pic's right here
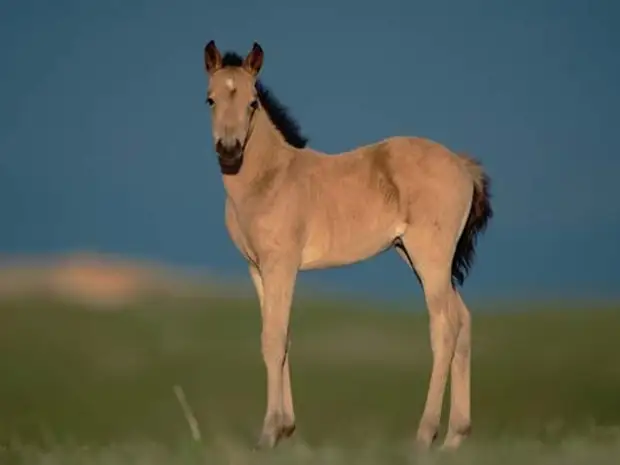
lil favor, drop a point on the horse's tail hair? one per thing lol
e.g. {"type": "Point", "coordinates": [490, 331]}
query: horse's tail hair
{"type": "Point", "coordinates": [480, 213]}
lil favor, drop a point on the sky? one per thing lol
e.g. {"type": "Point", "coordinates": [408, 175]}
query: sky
{"type": "Point", "coordinates": [105, 140]}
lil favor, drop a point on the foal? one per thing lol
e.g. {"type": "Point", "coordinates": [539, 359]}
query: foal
{"type": "Point", "coordinates": [291, 208]}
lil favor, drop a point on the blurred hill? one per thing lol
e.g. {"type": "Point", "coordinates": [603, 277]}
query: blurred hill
{"type": "Point", "coordinates": [104, 279]}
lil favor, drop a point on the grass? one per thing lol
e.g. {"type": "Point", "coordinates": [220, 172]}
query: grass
{"type": "Point", "coordinates": [97, 387]}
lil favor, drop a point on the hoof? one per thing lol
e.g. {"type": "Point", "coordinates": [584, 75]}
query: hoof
{"type": "Point", "coordinates": [455, 438]}
{"type": "Point", "coordinates": [273, 431]}
{"type": "Point", "coordinates": [265, 442]}
{"type": "Point", "coordinates": [287, 430]}
{"type": "Point", "coordinates": [425, 438]}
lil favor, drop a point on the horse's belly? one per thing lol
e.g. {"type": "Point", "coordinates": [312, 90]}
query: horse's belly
{"type": "Point", "coordinates": [345, 249]}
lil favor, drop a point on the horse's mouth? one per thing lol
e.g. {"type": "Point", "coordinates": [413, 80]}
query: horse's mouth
{"type": "Point", "coordinates": [230, 163]}
{"type": "Point", "coordinates": [229, 157]}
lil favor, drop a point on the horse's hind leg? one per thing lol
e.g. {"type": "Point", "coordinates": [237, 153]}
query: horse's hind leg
{"type": "Point", "coordinates": [460, 391]}
{"type": "Point", "coordinates": [430, 255]}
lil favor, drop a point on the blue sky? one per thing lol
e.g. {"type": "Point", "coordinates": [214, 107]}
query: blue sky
{"type": "Point", "coordinates": [105, 139]}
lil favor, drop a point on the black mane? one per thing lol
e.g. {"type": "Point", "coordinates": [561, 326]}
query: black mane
{"type": "Point", "coordinates": [278, 113]}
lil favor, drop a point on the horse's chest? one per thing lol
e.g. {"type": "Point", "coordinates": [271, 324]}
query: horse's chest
{"type": "Point", "coordinates": [259, 233]}
{"type": "Point", "coordinates": [237, 233]}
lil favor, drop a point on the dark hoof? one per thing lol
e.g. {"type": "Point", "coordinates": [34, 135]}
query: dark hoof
{"type": "Point", "coordinates": [287, 431]}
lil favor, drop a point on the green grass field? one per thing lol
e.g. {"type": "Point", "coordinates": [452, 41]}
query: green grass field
{"type": "Point", "coordinates": [80, 386]}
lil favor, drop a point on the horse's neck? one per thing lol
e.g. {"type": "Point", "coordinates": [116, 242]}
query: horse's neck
{"type": "Point", "coordinates": [265, 151]}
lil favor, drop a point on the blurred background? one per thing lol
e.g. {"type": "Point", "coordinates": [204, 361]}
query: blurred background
{"type": "Point", "coordinates": [105, 144]}
{"type": "Point", "coordinates": [111, 199]}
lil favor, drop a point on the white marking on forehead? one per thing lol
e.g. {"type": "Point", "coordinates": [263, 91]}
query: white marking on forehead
{"type": "Point", "coordinates": [230, 84]}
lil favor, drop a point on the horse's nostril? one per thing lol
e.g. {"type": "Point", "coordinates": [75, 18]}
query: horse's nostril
{"type": "Point", "coordinates": [228, 149]}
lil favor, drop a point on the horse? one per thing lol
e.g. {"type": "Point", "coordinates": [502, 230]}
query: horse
{"type": "Point", "coordinates": [290, 208]}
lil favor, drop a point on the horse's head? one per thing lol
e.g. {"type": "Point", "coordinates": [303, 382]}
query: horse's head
{"type": "Point", "coordinates": [233, 100]}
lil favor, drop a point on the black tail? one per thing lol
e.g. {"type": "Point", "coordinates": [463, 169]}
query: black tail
{"type": "Point", "coordinates": [479, 215]}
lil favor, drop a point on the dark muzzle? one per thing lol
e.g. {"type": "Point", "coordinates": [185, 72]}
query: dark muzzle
{"type": "Point", "coordinates": [229, 157]}
{"type": "Point", "coordinates": [228, 152]}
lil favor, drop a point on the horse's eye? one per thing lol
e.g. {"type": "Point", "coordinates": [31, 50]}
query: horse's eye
{"type": "Point", "coordinates": [210, 102]}
{"type": "Point", "coordinates": [254, 104]}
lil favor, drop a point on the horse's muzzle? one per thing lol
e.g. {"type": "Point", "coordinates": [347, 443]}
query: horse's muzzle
{"type": "Point", "coordinates": [228, 152]}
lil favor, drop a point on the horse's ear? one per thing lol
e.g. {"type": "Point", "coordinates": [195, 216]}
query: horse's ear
{"type": "Point", "coordinates": [254, 61]}
{"type": "Point", "coordinates": [213, 59]}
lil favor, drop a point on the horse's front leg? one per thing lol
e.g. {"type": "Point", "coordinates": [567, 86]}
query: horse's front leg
{"type": "Point", "coordinates": [277, 279]}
